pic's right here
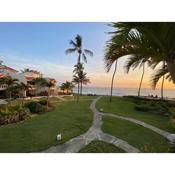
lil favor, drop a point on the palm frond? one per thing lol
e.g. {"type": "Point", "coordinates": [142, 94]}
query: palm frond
{"type": "Point", "coordinates": [70, 50]}
{"type": "Point", "coordinates": [88, 52]}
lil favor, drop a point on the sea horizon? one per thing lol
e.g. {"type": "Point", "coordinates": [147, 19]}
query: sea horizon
{"type": "Point", "coordinates": [122, 91]}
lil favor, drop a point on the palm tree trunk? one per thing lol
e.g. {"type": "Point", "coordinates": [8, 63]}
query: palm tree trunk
{"type": "Point", "coordinates": [48, 94]}
{"type": "Point", "coordinates": [112, 81]}
{"type": "Point", "coordinates": [140, 85]}
{"type": "Point", "coordinates": [78, 91]}
{"type": "Point", "coordinates": [81, 87]}
{"type": "Point", "coordinates": [163, 79]}
{"type": "Point", "coordinates": [79, 58]}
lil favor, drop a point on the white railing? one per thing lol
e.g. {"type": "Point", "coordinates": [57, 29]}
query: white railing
{"type": "Point", "coordinates": [3, 87]}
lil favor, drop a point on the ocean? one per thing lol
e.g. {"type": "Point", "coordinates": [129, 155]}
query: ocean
{"type": "Point", "coordinates": [170, 93]}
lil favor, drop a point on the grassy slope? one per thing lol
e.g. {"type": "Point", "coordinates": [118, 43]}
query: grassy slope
{"type": "Point", "coordinates": [124, 107]}
{"type": "Point", "coordinates": [100, 147]}
{"type": "Point", "coordinates": [138, 136]}
{"type": "Point", "coordinates": [38, 133]}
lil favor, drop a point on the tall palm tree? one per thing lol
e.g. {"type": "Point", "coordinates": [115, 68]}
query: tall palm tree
{"type": "Point", "coordinates": [156, 41]}
{"type": "Point", "coordinates": [77, 46]}
{"type": "Point", "coordinates": [151, 42]}
{"type": "Point", "coordinates": [43, 82]}
{"type": "Point", "coordinates": [76, 80]}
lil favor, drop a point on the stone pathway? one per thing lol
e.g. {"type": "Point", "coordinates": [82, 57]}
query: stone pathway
{"type": "Point", "coordinates": [94, 132]}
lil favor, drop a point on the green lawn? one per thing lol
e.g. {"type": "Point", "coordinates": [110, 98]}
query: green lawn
{"type": "Point", "coordinates": [136, 135]}
{"type": "Point", "coordinates": [39, 133]}
{"type": "Point", "coordinates": [97, 146]}
{"type": "Point", "coordinates": [125, 107]}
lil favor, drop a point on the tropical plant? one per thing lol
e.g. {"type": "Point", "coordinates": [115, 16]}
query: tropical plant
{"type": "Point", "coordinates": [77, 46]}
{"type": "Point", "coordinates": [68, 86]}
{"type": "Point", "coordinates": [26, 70]}
{"type": "Point", "coordinates": [163, 73]}
{"type": "Point", "coordinates": [151, 42]}
{"type": "Point", "coordinates": [11, 85]}
{"type": "Point", "coordinates": [23, 87]}
{"type": "Point", "coordinates": [43, 82]}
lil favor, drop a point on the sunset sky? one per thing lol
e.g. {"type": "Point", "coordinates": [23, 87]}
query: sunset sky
{"type": "Point", "coordinates": [42, 46]}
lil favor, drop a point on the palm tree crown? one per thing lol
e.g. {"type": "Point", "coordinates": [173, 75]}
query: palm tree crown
{"type": "Point", "coordinates": [78, 47]}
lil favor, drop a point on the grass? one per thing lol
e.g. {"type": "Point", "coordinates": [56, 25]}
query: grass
{"type": "Point", "coordinates": [125, 107]}
{"type": "Point", "coordinates": [142, 138]}
{"type": "Point", "coordinates": [39, 133]}
{"type": "Point", "coordinates": [97, 146]}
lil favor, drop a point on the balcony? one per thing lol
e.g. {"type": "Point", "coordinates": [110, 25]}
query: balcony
{"type": "Point", "coordinates": [3, 87]}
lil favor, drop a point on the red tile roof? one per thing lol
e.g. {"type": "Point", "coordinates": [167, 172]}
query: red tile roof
{"type": "Point", "coordinates": [2, 75]}
{"type": "Point", "coordinates": [29, 78]}
{"type": "Point", "coordinates": [8, 68]}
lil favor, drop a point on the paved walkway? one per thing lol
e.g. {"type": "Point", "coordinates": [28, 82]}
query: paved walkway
{"type": "Point", "coordinates": [94, 132]}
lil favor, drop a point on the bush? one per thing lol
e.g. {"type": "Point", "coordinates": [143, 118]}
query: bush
{"type": "Point", "coordinates": [43, 93]}
{"type": "Point", "coordinates": [153, 107]}
{"type": "Point", "coordinates": [13, 116]}
{"type": "Point", "coordinates": [36, 107]}
{"type": "Point", "coordinates": [44, 102]}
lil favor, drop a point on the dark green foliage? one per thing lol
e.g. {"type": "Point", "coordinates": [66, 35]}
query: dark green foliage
{"type": "Point", "coordinates": [36, 107]}
{"type": "Point", "coordinates": [13, 115]}
{"type": "Point", "coordinates": [44, 102]}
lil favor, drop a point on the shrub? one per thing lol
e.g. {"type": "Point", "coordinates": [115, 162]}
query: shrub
{"type": "Point", "coordinates": [13, 116]}
{"type": "Point", "coordinates": [36, 107]}
{"type": "Point", "coordinates": [44, 102]}
{"type": "Point", "coordinates": [43, 93]}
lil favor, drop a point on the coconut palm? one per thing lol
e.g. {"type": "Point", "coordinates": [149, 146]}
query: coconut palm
{"type": "Point", "coordinates": [43, 82]}
{"type": "Point", "coordinates": [158, 42]}
{"type": "Point", "coordinates": [77, 46]}
{"type": "Point", "coordinates": [68, 86]}
{"type": "Point", "coordinates": [76, 80]}
{"type": "Point", "coordinates": [141, 43]}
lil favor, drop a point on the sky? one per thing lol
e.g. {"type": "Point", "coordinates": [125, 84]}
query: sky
{"type": "Point", "coordinates": [42, 46]}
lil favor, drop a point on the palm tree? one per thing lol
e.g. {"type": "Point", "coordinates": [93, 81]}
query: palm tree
{"type": "Point", "coordinates": [23, 87]}
{"type": "Point", "coordinates": [76, 80]}
{"type": "Point", "coordinates": [43, 82]}
{"type": "Point", "coordinates": [26, 70]}
{"type": "Point", "coordinates": [78, 69]}
{"type": "Point", "coordinates": [68, 86]}
{"type": "Point", "coordinates": [141, 43]}
{"type": "Point", "coordinates": [158, 74]}
{"type": "Point", "coordinates": [11, 82]}
{"type": "Point", "coordinates": [154, 41]}
{"type": "Point", "coordinates": [83, 80]}
{"type": "Point", "coordinates": [77, 46]}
